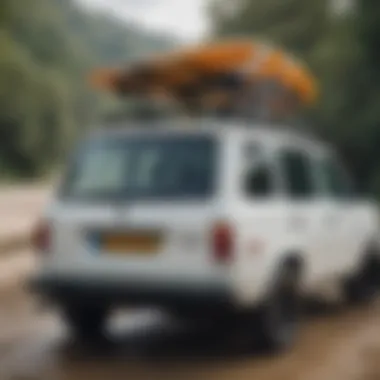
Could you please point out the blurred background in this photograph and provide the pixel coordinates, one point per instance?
(47, 47)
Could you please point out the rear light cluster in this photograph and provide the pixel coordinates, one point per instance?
(41, 236)
(222, 243)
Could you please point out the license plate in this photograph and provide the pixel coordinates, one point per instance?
(129, 243)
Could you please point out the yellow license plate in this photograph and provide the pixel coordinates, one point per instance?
(125, 243)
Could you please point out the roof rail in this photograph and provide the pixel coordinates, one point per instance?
(153, 121)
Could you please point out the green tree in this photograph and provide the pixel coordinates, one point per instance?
(295, 24)
(47, 48)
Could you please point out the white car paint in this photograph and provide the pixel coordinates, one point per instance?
(330, 235)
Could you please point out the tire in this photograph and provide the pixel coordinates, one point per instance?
(365, 284)
(278, 320)
(86, 323)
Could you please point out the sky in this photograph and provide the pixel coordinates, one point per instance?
(183, 18)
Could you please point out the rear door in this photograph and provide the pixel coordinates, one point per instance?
(141, 201)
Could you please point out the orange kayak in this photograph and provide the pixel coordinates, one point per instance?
(191, 67)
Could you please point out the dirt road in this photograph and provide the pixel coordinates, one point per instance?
(20, 206)
(340, 343)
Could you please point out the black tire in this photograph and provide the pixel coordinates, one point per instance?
(86, 323)
(278, 320)
(365, 284)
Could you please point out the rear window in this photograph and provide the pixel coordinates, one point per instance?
(143, 167)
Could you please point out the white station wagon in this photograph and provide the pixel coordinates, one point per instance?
(217, 220)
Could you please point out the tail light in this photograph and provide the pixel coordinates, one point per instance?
(41, 236)
(223, 243)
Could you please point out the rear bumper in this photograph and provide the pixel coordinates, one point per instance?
(205, 296)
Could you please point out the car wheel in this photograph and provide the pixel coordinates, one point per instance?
(365, 284)
(277, 321)
(86, 323)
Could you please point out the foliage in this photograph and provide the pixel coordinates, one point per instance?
(295, 24)
(46, 50)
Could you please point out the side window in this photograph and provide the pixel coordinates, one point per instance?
(297, 172)
(337, 181)
(257, 175)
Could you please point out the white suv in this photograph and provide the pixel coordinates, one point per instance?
(218, 219)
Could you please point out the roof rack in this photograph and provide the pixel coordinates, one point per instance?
(239, 77)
